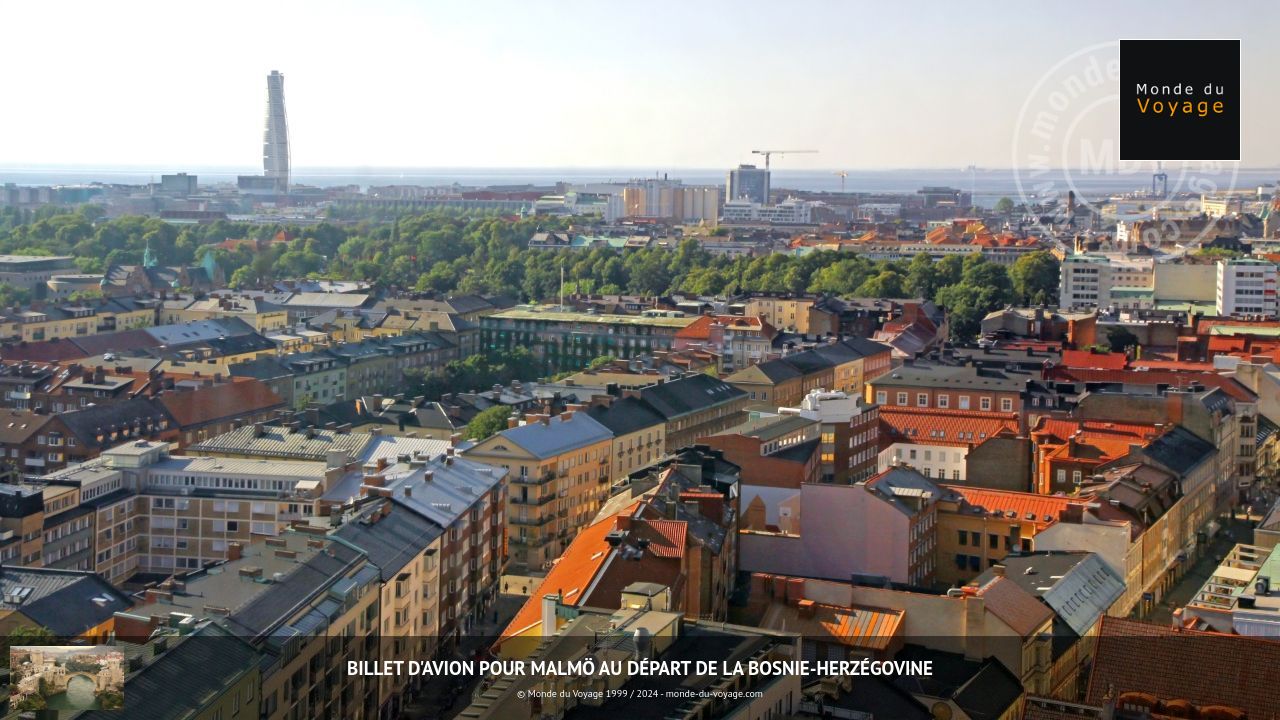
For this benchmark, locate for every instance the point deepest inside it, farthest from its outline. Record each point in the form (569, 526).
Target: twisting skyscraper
(275, 140)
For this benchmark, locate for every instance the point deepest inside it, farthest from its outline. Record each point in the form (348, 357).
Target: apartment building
(1246, 286)
(639, 432)
(1091, 280)
(885, 526)
(938, 386)
(979, 527)
(673, 548)
(435, 527)
(306, 603)
(739, 341)
(376, 364)
(565, 340)
(850, 434)
(693, 406)
(42, 322)
(843, 366)
(937, 442)
(558, 475)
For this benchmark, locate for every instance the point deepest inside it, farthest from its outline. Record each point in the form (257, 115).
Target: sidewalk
(1235, 531)
(446, 697)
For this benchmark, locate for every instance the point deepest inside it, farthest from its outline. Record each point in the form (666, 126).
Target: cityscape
(269, 436)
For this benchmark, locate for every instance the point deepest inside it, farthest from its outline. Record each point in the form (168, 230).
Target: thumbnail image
(66, 678)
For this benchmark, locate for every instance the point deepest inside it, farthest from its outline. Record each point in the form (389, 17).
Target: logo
(1180, 100)
(1067, 144)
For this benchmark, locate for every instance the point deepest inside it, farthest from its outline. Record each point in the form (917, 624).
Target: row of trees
(447, 251)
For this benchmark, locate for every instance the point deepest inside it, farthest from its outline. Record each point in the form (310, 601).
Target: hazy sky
(654, 84)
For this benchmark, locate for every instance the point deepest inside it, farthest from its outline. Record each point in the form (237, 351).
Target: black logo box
(1186, 65)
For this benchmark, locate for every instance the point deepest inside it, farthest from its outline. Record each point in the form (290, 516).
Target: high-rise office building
(275, 140)
(748, 182)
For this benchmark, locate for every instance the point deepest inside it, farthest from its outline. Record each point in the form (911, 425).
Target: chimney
(549, 604)
(805, 608)
(975, 610)
(234, 551)
(997, 570)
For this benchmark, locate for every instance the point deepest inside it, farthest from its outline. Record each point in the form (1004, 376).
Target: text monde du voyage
(1180, 99)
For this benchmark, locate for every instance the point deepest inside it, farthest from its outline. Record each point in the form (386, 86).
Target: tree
(1035, 278)
(1004, 206)
(600, 362)
(922, 276)
(25, 635)
(488, 423)
(888, 284)
(1120, 338)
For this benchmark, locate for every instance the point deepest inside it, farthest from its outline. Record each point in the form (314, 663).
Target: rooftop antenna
(562, 287)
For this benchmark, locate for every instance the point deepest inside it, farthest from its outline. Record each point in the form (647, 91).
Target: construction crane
(843, 174)
(767, 153)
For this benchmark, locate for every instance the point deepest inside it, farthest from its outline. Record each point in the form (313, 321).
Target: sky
(516, 84)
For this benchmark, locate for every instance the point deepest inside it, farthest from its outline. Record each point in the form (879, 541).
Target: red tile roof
(572, 573)
(227, 400)
(1044, 508)
(1172, 663)
(1090, 359)
(1095, 439)
(1156, 377)
(932, 426)
(700, 329)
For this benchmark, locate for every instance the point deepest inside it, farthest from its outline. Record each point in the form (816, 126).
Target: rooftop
(67, 602)
(932, 426)
(535, 312)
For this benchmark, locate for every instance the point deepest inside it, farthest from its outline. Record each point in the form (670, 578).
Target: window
(922, 399)
(902, 398)
(1076, 477)
(1006, 404)
(944, 401)
(993, 541)
(975, 539)
(955, 474)
(961, 560)
(963, 536)
(882, 397)
(985, 403)
(964, 402)
(1062, 476)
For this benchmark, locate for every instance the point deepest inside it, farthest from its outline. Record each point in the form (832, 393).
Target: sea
(987, 185)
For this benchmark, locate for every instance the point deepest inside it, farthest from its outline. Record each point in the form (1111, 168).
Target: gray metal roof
(557, 435)
(281, 442)
(1079, 586)
(67, 602)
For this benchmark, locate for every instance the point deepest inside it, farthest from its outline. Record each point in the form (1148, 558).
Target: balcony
(541, 479)
(534, 502)
(530, 521)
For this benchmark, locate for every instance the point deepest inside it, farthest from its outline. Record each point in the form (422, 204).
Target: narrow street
(1234, 531)
(446, 697)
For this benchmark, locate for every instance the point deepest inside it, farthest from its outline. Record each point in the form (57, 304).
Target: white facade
(944, 463)
(1246, 287)
(789, 212)
(1092, 281)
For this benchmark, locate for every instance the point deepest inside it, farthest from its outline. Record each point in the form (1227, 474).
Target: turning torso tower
(275, 139)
